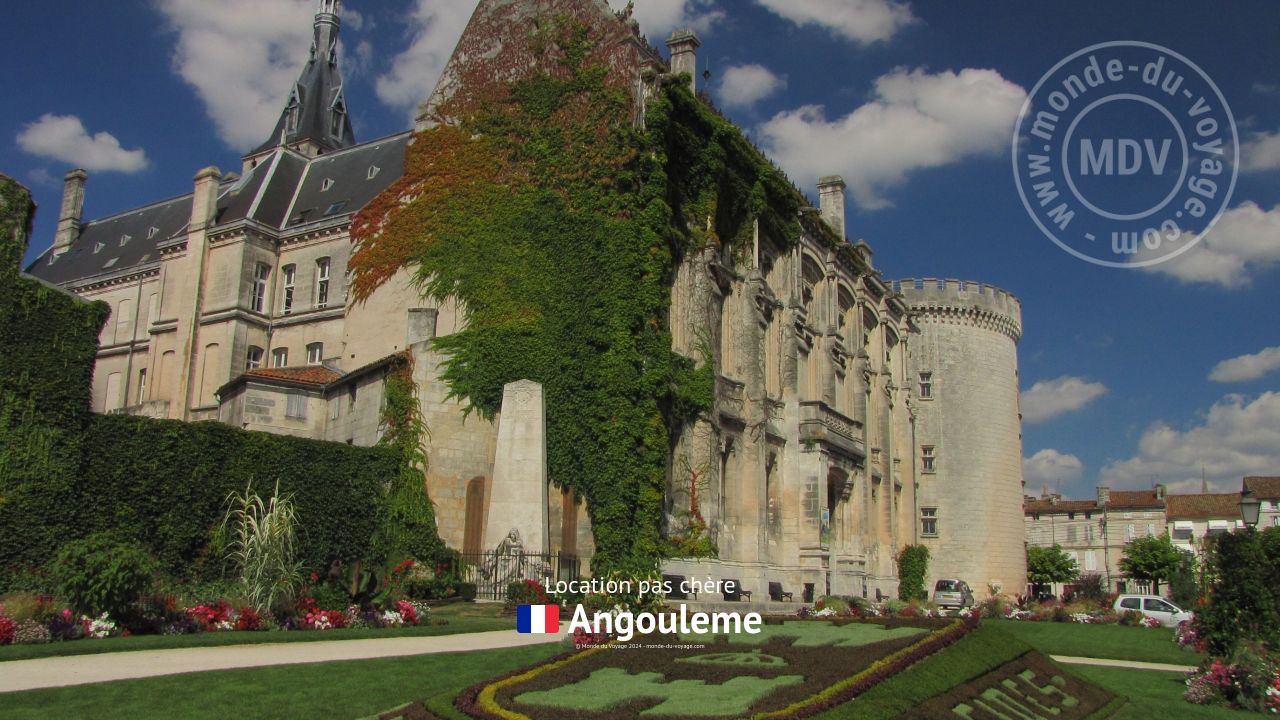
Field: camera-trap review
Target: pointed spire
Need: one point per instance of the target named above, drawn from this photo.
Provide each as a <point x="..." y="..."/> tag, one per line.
<point x="315" y="118"/>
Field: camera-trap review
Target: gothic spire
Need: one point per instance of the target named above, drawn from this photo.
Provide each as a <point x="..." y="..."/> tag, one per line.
<point x="315" y="119"/>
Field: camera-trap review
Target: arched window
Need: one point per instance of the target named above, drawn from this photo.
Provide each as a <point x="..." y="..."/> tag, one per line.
<point x="473" y="531"/>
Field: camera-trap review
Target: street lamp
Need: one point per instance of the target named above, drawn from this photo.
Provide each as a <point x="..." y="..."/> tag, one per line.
<point x="1249" y="508"/>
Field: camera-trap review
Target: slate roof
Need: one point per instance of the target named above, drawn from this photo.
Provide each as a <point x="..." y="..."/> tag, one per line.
<point x="282" y="181"/>
<point x="1263" y="487"/>
<point x="316" y="94"/>
<point x="1222" y="506"/>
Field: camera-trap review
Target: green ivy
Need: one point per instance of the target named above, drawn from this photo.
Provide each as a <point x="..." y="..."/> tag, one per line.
<point x="559" y="223"/>
<point x="913" y="567"/>
<point x="50" y="343"/>
<point x="409" y="526"/>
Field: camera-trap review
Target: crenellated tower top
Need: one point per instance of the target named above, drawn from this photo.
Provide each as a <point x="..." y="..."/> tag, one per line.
<point x="963" y="302"/>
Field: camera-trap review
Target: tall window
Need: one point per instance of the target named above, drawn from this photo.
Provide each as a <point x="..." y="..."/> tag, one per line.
<point x="929" y="521"/>
<point x="260" y="274"/>
<point x="290" y="273"/>
<point x="927" y="459"/>
<point x="280" y="357"/>
<point x="253" y="359"/>
<point x="322" y="282"/>
<point x="314" y="352"/>
<point x="926" y="385"/>
<point x="142" y="385"/>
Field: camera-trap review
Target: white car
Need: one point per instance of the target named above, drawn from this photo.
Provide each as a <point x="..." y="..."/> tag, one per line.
<point x="1153" y="606"/>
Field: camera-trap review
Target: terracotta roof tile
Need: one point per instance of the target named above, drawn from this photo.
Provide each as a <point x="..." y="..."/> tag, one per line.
<point x="317" y="375"/>
<point x="1123" y="499"/>
<point x="1264" y="488"/>
<point x="1061" y="506"/>
<point x="1205" y="506"/>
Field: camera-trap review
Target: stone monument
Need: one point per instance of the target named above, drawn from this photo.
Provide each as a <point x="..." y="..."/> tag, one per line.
<point x="519" y="499"/>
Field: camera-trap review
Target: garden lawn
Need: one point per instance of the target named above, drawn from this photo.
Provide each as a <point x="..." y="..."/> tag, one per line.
<point x="461" y="618"/>
<point x="341" y="690"/>
<point x="1153" y="695"/>
<point x="1115" y="642"/>
<point x="978" y="653"/>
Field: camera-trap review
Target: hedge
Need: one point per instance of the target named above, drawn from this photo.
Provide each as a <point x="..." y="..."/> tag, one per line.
<point x="50" y="341"/>
<point x="164" y="483"/>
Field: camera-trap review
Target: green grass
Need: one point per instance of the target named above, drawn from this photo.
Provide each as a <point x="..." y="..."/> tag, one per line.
<point x="461" y="618"/>
<point x="343" y="690"/>
<point x="979" y="652"/>
<point x="1152" y="694"/>
<point x="1099" y="641"/>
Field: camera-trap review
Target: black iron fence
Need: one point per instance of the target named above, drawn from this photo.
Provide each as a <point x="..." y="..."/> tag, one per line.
<point x="491" y="572"/>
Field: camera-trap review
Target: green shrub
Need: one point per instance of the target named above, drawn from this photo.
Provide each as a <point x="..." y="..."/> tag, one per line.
<point x="1242" y="595"/>
<point x="913" y="565"/>
<point x="99" y="574"/>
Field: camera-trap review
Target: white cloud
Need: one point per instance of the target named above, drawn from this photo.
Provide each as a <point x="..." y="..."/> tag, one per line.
<point x="916" y="120"/>
<point x="1260" y="152"/>
<point x="433" y="29"/>
<point x="1247" y="367"/>
<point x="1052" y="469"/>
<point x="1244" y="243"/>
<point x="1050" y="398"/>
<point x="63" y="137"/>
<point x="241" y="57"/>
<point x="658" y="18"/>
<point x="1237" y="437"/>
<point x="864" y="21"/>
<point x="745" y="85"/>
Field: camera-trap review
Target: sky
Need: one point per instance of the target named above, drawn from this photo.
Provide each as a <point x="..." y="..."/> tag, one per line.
<point x="1130" y="375"/>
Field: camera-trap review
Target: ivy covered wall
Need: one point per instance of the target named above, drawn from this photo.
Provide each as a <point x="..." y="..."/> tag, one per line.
<point x="559" y="220"/>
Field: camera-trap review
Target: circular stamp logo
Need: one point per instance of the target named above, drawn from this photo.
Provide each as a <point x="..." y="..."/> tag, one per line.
<point x="1125" y="154"/>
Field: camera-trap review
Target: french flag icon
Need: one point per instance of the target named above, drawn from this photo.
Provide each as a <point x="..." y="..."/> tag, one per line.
<point x="538" y="619"/>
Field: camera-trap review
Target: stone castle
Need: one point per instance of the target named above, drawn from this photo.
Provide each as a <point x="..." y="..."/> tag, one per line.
<point x="853" y="415"/>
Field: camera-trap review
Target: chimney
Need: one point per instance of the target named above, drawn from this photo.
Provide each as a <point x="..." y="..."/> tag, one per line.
<point x="1104" y="495"/>
<point x="204" y="203"/>
<point x="72" y="208"/>
<point x="1160" y="490"/>
<point x="421" y="326"/>
<point x="831" y="200"/>
<point x="684" y="55"/>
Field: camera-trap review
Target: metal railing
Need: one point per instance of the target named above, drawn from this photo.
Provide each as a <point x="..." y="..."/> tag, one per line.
<point x="491" y="572"/>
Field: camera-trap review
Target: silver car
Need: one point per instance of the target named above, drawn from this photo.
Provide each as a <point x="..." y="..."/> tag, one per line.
<point x="1153" y="606"/>
<point x="950" y="592"/>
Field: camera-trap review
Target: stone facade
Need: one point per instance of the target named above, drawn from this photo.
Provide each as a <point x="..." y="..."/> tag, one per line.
<point x="231" y="303"/>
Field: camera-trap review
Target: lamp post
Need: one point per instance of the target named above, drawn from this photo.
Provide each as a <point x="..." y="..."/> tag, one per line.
<point x="1250" y="506"/>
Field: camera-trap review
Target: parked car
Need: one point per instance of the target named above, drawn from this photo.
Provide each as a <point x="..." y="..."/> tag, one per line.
<point x="1153" y="606"/>
<point x="950" y="592"/>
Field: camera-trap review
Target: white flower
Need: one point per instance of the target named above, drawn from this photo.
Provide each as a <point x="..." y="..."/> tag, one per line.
<point x="391" y="618"/>
<point x="101" y="627"/>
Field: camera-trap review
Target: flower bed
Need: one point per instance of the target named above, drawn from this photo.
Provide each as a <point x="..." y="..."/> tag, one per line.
<point x="44" y="621"/>
<point x="794" y="669"/>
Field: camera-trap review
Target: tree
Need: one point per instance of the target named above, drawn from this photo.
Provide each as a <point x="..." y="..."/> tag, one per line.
<point x="1047" y="565"/>
<point x="1151" y="558"/>
<point x="1242" y="604"/>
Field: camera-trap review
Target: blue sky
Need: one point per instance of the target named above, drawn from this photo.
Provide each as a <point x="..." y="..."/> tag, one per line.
<point x="1129" y="375"/>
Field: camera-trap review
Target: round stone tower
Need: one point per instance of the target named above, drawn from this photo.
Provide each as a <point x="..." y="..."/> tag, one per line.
<point x="963" y="369"/>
